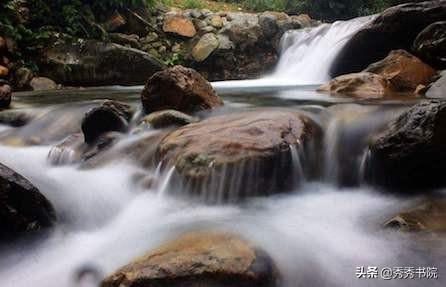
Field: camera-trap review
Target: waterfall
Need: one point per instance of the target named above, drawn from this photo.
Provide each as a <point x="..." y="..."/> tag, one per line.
<point x="306" y="56"/>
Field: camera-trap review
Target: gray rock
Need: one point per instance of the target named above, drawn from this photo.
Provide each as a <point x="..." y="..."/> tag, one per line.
<point x="43" y="84"/>
<point x="438" y="88"/>
<point x="207" y="44"/>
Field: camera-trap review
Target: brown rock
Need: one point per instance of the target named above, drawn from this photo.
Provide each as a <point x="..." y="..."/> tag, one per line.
<point x="199" y="259"/>
<point x="234" y="156"/>
<point x="179" y="25"/>
<point x="4" y="71"/>
<point x="429" y="216"/>
<point x="181" y="89"/>
<point x="360" y="85"/>
<point x="403" y="70"/>
<point x="115" y="22"/>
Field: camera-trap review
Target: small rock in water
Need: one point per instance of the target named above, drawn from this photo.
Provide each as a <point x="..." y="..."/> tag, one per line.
<point x="42" y="84"/>
<point x="181" y="89"/>
<point x="111" y="116"/>
<point x="5" y="95"/>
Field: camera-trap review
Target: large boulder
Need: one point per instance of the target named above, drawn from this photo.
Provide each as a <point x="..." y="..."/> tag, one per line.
<point x="181" y="89"/>
<point x="5" y="94"/>
<point x="23" y="209"/>
<point x="396" y="28"/>
<point x="410" y="155"/>
<point x="179" y="25"/>
<point x="93" y="63"/>
<point x="427" y="216"/>
<point x="430" y="45"/>
<point x="360" y="85"/>
<point x="226" y="158"/>
<point x="205" y="259"/>
<point x="110" y="116"/>
<point x="438" y="88"/>
<point x="405" y="71"/>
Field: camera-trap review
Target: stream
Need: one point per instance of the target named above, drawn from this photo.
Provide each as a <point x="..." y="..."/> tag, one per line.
<point x="318" y="234"/>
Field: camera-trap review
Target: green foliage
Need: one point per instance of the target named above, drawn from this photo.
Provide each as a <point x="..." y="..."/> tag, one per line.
<point x="174" y="59"/>
<point x="193" y="4"/>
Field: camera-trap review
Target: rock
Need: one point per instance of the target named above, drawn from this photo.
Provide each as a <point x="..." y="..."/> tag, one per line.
<point x="110" y="116"/>
<point x="268" y="23"/>
<point x="224" y="43"/>
<point x="4" y="72"/>
<point x="23" y="209"/>
<point x="396" y="28"/>
<point x="405" y="71"/>
<point x="429" y="216"/>
<point x="23" y="77"/>
<point x="15" y="118"/>
<point x="216" y="21"/>
<point x="409" y="155"/>
<point x="149" y="38"/>
<point x="430" y="45"/>
<point x="244" y="29"/>
<point x="360" y="85"/>
<point x="207" y="44"/>
<point x="438" y="88"/>
<point x="179" y="25"/>
<point x="42" y="84"/>
<point x="200" y="259"/>
<point x="124" y="39"/>
<point x="167" y="118"/>
<point x="304" y="20"/>
<point x="115" y="22"/>
<point x="179" y="88"/>
<point x="93" y="63"/>
<point x="5" y="95"/>
<point x="230" y="157"/>
<point x="207" y="29"/>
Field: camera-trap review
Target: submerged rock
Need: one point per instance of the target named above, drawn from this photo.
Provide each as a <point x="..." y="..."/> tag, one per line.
<point x="111" y="116"/>
<point x="410" y="154"/>
<point x="179" y="88"/>
<point x="167" y="118"/>
<point x="395" y="28"/>
<point x="93" y="63"/>
<point x="23" y="209"/>
<point x="238" y="155"/>
<point x="360" y="85"/>
<point x="430" y="45"/>
<point x="429" y="216"/>
<point x="204" y="259"/>
<point x="405" y="71"/>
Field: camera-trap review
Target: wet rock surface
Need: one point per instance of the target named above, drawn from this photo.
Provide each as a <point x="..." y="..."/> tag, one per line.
<point x="431" y="44"/>
<point x="23" y="209"/>
<point x="179" y="88"/>
<point x="167" y="118"/>
<point x="240" y="155"/>
<point x="110" y="116"/>
<point x="410" y="155"/>
<point x="93" y="63"/>
<point x="199" y="259"/>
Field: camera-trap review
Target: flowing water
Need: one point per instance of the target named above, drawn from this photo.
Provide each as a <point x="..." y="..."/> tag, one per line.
<point x="318" y="233"/>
